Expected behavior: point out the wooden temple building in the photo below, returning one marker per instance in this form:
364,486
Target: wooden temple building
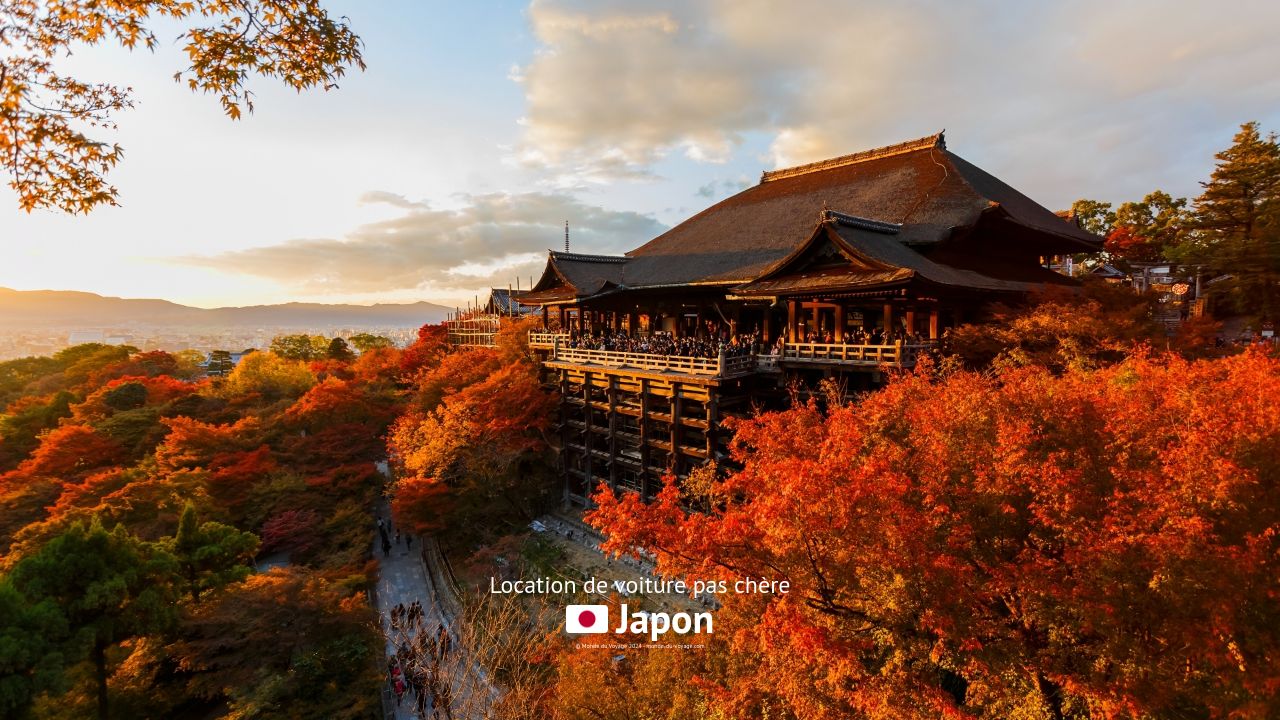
835,269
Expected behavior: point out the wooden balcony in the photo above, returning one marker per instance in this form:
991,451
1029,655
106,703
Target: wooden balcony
547,340
894,355
674,364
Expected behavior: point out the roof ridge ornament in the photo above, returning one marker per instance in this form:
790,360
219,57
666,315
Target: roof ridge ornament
860,223
937,140
583,257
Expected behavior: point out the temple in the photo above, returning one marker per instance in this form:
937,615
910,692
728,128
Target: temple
837,269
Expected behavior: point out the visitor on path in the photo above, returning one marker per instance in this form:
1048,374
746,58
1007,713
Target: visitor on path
386,547
397,537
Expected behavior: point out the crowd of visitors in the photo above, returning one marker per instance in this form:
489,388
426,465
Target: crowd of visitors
710,344
863,336
417,672
664,343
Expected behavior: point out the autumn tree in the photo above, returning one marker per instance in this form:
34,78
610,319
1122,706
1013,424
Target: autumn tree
209,554
1145,230
1237,224
364,342
16,375
300,346
52,122
25,419
1059,328
426,351
481,441
220,363
1094,216
339,350
108,586
284,643
269,377
1096,544
189,364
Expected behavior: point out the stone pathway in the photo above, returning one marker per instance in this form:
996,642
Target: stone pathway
402,579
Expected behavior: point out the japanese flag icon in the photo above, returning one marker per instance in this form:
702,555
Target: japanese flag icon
586,618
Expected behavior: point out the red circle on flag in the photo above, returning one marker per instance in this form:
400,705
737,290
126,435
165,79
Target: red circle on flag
586,618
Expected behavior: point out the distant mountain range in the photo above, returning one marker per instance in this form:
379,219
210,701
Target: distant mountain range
21,309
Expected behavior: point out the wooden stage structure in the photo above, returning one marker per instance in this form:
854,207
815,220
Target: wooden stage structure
842,270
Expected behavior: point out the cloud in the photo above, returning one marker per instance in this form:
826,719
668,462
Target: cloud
1081,93
717,189
490,240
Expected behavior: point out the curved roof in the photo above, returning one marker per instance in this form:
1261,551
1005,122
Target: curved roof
879,258
919,184
922,189
573,275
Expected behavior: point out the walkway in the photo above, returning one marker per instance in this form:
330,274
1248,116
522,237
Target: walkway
402,579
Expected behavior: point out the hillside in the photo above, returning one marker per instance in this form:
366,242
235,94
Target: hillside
23,309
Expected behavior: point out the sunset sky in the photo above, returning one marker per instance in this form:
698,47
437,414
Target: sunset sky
452,163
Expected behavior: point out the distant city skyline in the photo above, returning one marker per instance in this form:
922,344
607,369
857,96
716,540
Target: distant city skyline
451,164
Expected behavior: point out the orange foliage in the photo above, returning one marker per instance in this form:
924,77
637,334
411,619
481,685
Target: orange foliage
158,391
337,402
191,444
68,452
426,351
235,473
455,371
998,545
420,504
377,365
145,364
477,430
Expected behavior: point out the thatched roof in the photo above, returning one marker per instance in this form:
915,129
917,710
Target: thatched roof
929,192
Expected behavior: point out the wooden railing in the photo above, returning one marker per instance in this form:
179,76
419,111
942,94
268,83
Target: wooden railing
897,354
547,340
641,361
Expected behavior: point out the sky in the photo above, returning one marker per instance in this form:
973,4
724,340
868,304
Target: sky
451,164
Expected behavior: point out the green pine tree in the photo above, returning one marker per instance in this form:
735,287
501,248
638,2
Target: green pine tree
1237,225
209,554
339,350
108,586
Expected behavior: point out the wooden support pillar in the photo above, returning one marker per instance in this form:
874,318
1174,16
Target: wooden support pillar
888,318
839,329
564,432
793,331
613,431
616,321
633,323
766,332
677,411
911,321
933,323
586,435
713,423
545,317
647,488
